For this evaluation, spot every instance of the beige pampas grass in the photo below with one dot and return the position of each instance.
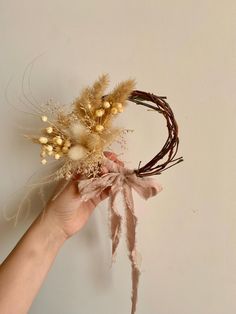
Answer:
(91, 105)
(98, 90)
(121, 92)
(89, 100)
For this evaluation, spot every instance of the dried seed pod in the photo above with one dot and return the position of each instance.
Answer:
(43, 140)
(44, 118)
(114, 110)
(106, 104)
(99, 128)
(43, 161)
(49, 130)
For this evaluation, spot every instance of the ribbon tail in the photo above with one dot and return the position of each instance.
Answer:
(131, 222)
(115, 221)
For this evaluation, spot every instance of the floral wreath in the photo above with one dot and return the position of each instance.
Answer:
(79, 138)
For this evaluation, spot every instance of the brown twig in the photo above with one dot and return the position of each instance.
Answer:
(170, 148)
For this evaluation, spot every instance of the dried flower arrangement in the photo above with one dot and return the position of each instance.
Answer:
(79, 139)
(81, 136)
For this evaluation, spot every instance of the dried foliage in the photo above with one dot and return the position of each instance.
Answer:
(81, 136)
(121, 92)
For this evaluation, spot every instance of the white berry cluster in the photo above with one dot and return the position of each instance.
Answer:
(53, 143)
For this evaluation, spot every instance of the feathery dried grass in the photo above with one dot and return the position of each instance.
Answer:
(121, 92)
(89, 100)
(98, 90)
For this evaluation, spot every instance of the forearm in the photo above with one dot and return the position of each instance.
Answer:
(24, 270)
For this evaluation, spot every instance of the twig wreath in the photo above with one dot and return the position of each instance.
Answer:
(80, 139)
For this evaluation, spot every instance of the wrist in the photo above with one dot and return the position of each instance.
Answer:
(51, 228)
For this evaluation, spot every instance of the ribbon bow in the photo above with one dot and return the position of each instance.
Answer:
(123, 180)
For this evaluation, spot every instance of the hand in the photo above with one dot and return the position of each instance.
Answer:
(67, 213)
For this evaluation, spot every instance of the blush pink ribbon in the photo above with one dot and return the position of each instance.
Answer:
(123, 180)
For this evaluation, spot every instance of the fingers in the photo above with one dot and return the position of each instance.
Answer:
(98, 199)
(76, 177)
(103, 170)
(105, 193)
(112, 156)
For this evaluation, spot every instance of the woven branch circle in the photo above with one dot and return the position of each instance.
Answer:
(168, 152)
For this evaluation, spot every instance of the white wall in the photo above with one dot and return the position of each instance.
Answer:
(186, 235)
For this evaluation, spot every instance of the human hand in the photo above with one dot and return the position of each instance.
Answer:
(67, 213)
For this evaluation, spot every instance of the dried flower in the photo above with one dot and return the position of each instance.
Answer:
(67, 143)
(49, 148)
(114, 110)
(119, 105)
(57, 156)
(43, 140)
(106, 105)
(99, 112)
(99, 128)
(44, 118)
(59, 141)
(49, 130)
(43, 154)
(65, 149)
(81, 135)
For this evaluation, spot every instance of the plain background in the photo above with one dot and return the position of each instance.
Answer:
(187, 234)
